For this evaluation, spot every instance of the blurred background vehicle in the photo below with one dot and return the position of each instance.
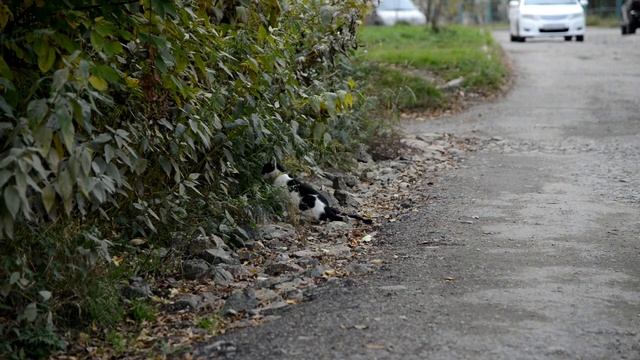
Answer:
(546, 18)
(630, 15)
(391, 12)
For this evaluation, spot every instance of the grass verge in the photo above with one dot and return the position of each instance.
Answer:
(406, 65)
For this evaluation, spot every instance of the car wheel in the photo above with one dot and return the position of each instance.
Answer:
(567, 38)
(631, 28)
(624, 30)
(522, 39)
(514, 38)
(580, 38)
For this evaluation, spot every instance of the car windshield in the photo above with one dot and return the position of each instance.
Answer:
(396, 5)
(549, 2)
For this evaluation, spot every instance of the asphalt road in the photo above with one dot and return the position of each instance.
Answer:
(546, 228)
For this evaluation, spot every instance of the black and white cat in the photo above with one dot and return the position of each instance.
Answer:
(307, 199)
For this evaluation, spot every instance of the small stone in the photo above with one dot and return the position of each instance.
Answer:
(209, 301)
(307, 261)
(337, 226)
(202, 243)
(237, 271)
(217, 256)
(338, 251)
(160, 252)
(453, 84)
(295, 295)
(193, 269)
(241, 300)
(266, 295)
(362, 155)
(350, 180)
(306, 253)
(219, 348)
(316, 271)
(358, 269)
(346, 198)
(270, 308)
(221, 276)
(277, 232)
(280, 268)
(339, 183)
(186, 302)
(138, 289)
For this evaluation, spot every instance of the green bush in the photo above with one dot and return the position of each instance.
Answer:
(151, 119)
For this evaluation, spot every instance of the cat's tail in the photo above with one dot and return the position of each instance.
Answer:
(332, 214)
(358, 217)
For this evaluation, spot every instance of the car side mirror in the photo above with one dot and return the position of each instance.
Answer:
(514, 3)
(584, 2)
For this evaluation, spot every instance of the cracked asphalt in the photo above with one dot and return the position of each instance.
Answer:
(537, 236)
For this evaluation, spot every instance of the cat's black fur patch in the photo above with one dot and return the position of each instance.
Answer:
(309, 196)
(270, 167)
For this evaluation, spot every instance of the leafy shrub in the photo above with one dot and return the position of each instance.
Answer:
(152, 118)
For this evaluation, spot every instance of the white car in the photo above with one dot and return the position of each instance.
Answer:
(391, 12)
(547, 18)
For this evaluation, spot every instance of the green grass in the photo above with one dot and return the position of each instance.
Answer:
(452, 52)
(603, 21)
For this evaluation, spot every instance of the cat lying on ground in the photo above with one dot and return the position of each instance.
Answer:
(304, 197)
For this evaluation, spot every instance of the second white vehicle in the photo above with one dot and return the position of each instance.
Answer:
(547, 18)
(391, 12)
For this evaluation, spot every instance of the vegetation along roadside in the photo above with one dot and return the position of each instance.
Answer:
(129, 130)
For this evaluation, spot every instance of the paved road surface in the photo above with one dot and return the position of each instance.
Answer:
(550, 270)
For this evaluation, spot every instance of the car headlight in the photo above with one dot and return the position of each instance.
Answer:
(530, 17)
(576, 16)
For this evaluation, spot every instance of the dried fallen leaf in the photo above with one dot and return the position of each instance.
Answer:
(375, 346)
(137, 241)
(360, 326)
(377, 261)
(117, 260)
(449, 278)
(329, 273)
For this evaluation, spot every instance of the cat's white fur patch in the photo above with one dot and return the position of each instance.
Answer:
(317, 210)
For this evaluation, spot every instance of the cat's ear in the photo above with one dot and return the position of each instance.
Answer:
(268, 168)
(279, 167)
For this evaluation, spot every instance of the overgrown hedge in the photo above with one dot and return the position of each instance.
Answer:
(147, 119)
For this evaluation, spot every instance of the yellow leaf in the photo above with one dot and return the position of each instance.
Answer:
(132, 82)
(98, 83)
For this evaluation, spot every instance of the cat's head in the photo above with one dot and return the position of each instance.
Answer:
(272, 170)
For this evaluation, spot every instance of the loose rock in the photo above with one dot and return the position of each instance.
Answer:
(240, 300)
(193, 269)
(217, 256)
(280, 268)
(137, 289)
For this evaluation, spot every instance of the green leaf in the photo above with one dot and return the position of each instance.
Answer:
(106, 72)
(46, 295)
(65, 189)
(98, 83)
(47, 58)
(43, 136)
(4, 106)
(5, 71)
(30, 312)
(48, 198)
(60, 77)
(37, 110)
(12, 200)
(5, 175)
(65, 121)
(112, 48)
(97, 40)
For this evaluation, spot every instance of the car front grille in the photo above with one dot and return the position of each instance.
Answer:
(554, 30)
(553, 17)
